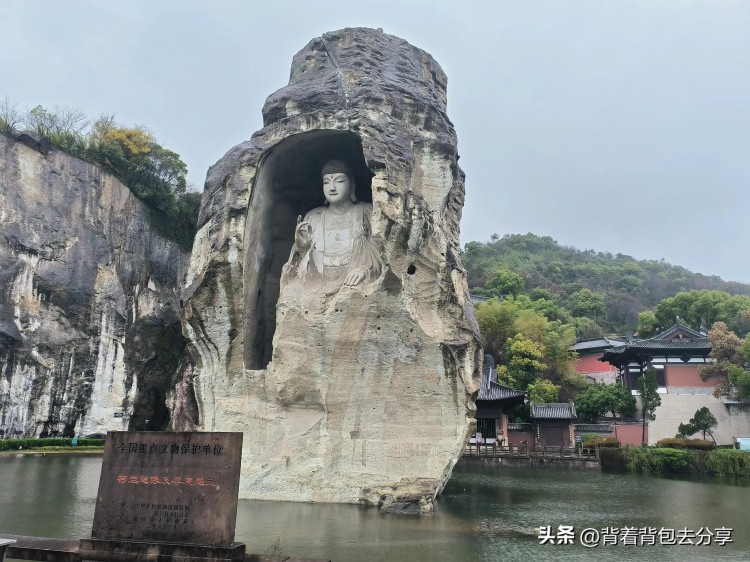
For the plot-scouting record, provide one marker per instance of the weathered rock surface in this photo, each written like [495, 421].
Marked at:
[88, 308]
[366, 395]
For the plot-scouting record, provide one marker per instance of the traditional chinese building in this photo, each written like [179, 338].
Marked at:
[493, 400]
[552, 424]
[589, 353]
[676, 354]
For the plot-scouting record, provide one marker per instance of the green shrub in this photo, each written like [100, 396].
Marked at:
[601, 442]
[635, 458]
[698, 463]
[589, 436]
[700, 445]
[728, 462]
[658, 461]
[671, 443]
[719, 462]
[681, 443]
[612, 459]
[34, 443]
[668, 461]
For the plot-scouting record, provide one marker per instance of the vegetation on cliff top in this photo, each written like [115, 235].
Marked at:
[155, 174]
[600, 292]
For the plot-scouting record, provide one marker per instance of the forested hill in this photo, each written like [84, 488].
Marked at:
[610, 289]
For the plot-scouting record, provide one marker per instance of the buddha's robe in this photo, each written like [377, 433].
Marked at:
[341, 243]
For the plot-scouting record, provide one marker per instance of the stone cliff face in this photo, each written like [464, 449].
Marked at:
[89, 330]
[366, 395]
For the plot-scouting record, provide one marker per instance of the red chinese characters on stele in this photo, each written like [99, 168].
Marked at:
[202, 481]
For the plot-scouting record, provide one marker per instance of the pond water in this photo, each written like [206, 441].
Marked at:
[485, 513]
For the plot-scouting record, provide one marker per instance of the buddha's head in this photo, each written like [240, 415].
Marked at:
[338, 182]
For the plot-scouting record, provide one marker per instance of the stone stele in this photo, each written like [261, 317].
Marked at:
[360, 392]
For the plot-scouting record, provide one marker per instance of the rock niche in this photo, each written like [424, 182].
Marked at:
[325, 304]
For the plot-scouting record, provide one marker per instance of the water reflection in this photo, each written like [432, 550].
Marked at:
[49, 496]
[484, 514]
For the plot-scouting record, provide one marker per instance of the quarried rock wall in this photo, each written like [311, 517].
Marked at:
[88, 309]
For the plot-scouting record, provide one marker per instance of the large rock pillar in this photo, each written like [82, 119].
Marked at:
[365, 393]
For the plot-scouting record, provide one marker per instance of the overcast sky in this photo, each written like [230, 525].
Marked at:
[612, 125]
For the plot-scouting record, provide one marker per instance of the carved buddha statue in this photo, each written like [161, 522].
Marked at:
[332, 245]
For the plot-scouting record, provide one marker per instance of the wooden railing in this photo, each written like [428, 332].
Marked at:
[529, 452]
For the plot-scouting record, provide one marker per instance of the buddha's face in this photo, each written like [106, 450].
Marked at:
[337, 188]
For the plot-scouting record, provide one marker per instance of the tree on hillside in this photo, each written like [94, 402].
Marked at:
[495, 319]
[650, 400]
[598, 399]
[585, 302]
[571, 386]
[586, 328]
[531, 324]
[136, 152]
[703, 420]
[731, 365]
[647, 325]
[703, 308]
[551, 310]
[503, 283]
[543, 391]
[524, 364]
[500, 321]
[561, 362]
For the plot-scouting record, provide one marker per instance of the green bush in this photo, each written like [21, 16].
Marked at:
[700, 445]
[658, 461]
[728, 462]
[681, 443]
[33, 443]
[719, 462]
[698, 463]
[612, 460]
[601, 442]
[668, 461]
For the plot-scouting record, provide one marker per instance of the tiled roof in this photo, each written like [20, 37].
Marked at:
[593, 428]
[663, 340]
[691, 344]
[557, 411]
[598, 343]
[649, 348]
[663, 344]
[490, 389]
[499, 392]
[676, 329]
